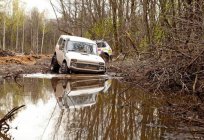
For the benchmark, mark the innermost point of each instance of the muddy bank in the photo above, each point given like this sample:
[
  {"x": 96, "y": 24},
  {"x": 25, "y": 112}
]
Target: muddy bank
[{"x": 11, "y": 66}]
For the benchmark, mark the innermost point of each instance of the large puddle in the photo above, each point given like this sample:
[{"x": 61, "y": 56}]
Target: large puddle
[{"x": 83, "y": 108}]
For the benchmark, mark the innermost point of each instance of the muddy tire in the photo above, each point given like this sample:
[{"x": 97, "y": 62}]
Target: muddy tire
[
  {"x": 63, "y": 69},
  {"x": 54, "y": 67}
]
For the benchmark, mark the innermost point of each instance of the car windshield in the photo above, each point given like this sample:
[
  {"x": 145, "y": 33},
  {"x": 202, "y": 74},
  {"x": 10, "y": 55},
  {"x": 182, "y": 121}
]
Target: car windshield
[
  {"x": 101, "y": 44},
  {"x": 82, "y": 47}
]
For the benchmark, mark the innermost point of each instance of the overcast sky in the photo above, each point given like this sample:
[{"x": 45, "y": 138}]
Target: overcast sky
[{"x": 41, "y": 5}]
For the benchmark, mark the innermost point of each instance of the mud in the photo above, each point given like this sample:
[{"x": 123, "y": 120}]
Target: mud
[{"x": 11, "y": 66}]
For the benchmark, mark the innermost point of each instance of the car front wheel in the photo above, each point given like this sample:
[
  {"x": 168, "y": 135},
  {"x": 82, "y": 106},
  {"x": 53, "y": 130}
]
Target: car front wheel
[
  {"x": 63, "y": 69},
  {"x": 54, "y": 67}
]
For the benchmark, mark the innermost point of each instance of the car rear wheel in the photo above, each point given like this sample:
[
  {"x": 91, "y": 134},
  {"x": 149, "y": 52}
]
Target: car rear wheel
[
  {"x": 54, "y": 67},
  {"x": 63, "y": 69}
]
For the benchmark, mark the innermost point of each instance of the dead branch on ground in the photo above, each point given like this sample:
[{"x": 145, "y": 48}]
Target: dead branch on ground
[{"x": 4, "y": 126}]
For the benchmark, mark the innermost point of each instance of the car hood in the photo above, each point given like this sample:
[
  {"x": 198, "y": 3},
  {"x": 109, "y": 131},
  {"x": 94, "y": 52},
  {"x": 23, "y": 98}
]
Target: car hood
[{"x": 84, "y": 57}]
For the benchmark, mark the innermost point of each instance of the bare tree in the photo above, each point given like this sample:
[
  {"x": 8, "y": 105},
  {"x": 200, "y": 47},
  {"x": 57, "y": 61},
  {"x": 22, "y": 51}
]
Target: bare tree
[{"x": 43, "y": 37}]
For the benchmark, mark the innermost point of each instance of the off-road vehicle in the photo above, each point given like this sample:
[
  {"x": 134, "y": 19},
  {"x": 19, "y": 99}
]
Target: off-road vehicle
[
  {"x": 76, "y": 54},
  {"x": 104, "y": 50}
]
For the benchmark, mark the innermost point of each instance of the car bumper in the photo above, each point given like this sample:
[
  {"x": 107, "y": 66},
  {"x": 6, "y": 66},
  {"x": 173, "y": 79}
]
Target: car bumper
[{"x": 86, "y": 70}]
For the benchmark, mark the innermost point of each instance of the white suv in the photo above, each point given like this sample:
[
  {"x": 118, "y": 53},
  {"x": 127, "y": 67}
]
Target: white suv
[{"x": 76, "y": 54}]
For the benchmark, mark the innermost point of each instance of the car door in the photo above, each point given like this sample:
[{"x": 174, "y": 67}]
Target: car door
[
  {"x": 57, "y": 49},
  {"x": 60, "y": 50}
]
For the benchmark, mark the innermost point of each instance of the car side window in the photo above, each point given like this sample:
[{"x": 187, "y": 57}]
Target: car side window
[
  {"x": 101, "y": 45},
  {"x": 63, "y": 43}
]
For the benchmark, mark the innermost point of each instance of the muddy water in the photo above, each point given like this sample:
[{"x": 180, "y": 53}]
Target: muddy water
[{"x": 95, "y": 108}]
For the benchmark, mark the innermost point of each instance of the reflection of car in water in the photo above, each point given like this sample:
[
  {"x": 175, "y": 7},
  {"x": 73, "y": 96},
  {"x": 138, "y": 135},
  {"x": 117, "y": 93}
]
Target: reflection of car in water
[{"x": 78, "y": 93}]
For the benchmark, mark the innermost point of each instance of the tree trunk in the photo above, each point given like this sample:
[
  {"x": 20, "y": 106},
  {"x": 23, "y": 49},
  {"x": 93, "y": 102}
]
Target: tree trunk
[
  {"x": 127, "y": 10},
  {"x": 43, "y": 36},
  {"x": 115, "y": 29},
  {"x": 0, "y": 44},
  {"x": 145, "y": 19},
  {"x": 82, "y": 17},
  {"x": 189, "y": 18},
  {"x": 17, "y": 37},
  {"x": 37, "y": 39},
  {"x": 4, "y": 34},
  {"x": 64, "y": 15},
  {"x": 173, "y": 13},
  {"x": 23, "y": 38},
  {"x": 31, "y": 38},
  {"x": 132, "y": 9}
]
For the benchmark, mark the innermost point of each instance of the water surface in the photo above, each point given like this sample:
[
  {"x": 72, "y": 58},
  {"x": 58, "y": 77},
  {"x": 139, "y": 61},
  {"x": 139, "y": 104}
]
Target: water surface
[{"x": 90, "y": 108}]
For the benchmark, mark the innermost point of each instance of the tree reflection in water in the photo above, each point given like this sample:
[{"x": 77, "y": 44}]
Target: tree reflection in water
[
  {"x": 87, "y": 112},
  {"x": 86, "y": 109}
]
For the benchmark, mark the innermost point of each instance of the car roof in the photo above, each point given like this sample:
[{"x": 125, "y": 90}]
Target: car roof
[
  {"x": 77, "y": 38},
  {"x": 99, "y": 41}
]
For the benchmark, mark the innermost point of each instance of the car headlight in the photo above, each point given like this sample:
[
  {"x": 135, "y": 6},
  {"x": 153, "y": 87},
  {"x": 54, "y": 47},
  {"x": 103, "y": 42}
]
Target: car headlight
[{"x": 74, "y": 60}]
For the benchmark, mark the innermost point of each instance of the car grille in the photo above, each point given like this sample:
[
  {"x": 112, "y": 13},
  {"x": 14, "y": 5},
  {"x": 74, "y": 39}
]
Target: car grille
[
  {"x": 87, "y": 66},
  {"x": 87, "y": 84}
]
